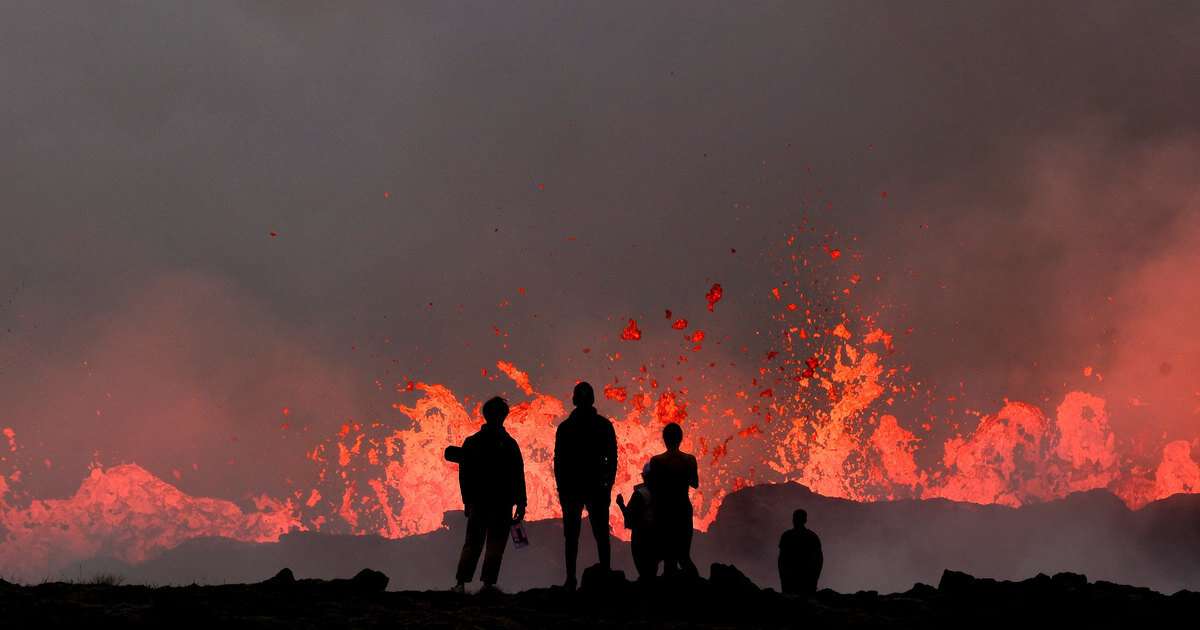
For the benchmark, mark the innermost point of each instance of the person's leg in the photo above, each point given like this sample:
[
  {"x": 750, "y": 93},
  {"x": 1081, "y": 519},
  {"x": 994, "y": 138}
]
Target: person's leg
[
  {"x": 499, "y": 520},
  {"x": 685, "y": 547},
  {"x": 654, "y": 555},
  {"x": 812, "y": 575},
  {"x": 667, "y": 539},
  {"x": 787, "y": 574},
  {"x": 643, "y": 554},
  {"x": 598, "y": 519},
  {"x": 572, "y": 516},
  {"x": 472, "y": 545}
]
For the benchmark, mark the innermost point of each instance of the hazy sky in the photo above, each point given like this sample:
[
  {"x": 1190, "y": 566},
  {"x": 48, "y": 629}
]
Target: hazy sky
[{"x": 211, "y": 212}]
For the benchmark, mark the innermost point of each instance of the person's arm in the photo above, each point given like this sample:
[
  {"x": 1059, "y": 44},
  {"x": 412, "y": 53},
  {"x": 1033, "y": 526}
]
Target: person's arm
[
  {"x": 466, "y": 472},
  {"x": 694, "y": 480},
  {"x": 522, "y": 496},
  {"x": 558, "y": 454}
]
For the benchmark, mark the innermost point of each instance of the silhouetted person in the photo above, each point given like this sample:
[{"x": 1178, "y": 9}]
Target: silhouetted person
[
  {"x": 585, "y": 467},
  {"x": 800, "y": 558},
  {"x": 639, "y": 519},
  {"x": 491, "y": 476},
  {"x": 671, "y": 474}
]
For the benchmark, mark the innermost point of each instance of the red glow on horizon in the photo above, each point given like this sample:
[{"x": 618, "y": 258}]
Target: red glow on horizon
[{"x": 820, "y": 410}]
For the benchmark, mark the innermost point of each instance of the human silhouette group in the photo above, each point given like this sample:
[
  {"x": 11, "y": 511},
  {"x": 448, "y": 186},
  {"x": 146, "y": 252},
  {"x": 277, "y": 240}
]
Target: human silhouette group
[{"x": 659, "y": 512}]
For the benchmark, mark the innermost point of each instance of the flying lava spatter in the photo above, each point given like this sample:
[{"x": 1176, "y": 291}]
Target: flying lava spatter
[{"x": 821, "y": 409}]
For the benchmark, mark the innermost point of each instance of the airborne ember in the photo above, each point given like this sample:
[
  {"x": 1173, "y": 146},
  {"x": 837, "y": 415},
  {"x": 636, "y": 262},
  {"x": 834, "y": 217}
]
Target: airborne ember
[
  {"x": 261, "y": 262},
  {"x": 822, "y": 410}
]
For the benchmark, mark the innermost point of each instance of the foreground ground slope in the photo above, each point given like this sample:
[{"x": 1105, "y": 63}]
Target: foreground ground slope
[
  {"x": 886, "y": 546},
  {"x": 726, "y": 600}
]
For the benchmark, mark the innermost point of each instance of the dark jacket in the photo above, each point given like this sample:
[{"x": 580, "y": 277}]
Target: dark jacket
[
  {"x": 800, "y": 560},
  {"x": 491, "y": 470},
  {"x": 639, "y": 513},
  {"x": 671, "y": 474},
  {"x": 800, "y": 549},
  {"x": 585, "y": 453}
]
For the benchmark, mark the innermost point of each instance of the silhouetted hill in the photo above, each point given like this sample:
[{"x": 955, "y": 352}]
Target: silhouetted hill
[
  {"x": 888, "y": 546},
  {"x": 413, "y": 563},
  {"x": 885, "y": 546}
]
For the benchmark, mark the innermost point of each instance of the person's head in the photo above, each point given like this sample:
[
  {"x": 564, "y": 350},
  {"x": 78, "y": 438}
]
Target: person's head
[
  {"x": 495, "y": 410},
  {"x": 672, "y": 435},
  {"x": 583, "y": 396},
  {"x": 799, "y": 518},
  {"x": 646, "y": 472}
]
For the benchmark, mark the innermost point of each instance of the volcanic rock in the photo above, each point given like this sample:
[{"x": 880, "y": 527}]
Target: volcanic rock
[
  {"x": 727, "y": 577},
  {"x": 370, "y": 581},
  {"x": 1069, "y": 581},
  {"x": 597, "y": 577},
  {"x": 283, "y": 578},
  {"x": 956, "y": 582},
  {"x": 885, "y": 546},
  {"x": 889, "y": 545},
  {"x": 961, "y": 601}
]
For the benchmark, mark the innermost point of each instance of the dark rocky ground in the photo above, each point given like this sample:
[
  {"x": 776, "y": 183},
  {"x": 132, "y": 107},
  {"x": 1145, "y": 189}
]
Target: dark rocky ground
[
  {"x": 726, "y": 600},
  {"x": 886, "y": 546}
]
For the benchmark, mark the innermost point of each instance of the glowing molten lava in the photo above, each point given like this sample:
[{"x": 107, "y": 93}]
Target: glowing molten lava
[
  {"x": 820, "y": 407},
  {"x": 125, "y": 512},
  {"x": 827, "y": 432}
]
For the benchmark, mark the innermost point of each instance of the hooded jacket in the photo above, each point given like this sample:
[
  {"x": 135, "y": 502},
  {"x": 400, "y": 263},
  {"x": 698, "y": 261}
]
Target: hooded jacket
[
  {"x": 585, "y": 453},
  {"x": 492, "y": 471}
]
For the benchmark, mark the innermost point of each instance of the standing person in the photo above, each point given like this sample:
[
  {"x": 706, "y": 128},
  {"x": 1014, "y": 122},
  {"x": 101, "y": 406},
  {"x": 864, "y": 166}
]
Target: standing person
[
  {"x": 639, "y": 520},
  {"x": 491, "y": 476},
  {"x": 800, "y": 558},
  {"x": 671, "y": 474},
  {"x": 585, "y": 468}
]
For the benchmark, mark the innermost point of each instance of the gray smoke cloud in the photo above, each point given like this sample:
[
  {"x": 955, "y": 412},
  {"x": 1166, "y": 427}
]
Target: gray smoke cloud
[{"x": 228, "y": 210}]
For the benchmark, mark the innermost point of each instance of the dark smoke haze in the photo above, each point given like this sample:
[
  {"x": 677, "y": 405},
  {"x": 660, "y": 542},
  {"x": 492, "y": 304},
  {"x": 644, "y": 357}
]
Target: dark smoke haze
[{"x": 213, "y": 213}]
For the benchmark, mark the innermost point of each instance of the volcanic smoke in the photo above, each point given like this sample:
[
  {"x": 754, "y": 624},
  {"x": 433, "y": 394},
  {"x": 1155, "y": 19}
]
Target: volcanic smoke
[{"x": 829, "y": 406}]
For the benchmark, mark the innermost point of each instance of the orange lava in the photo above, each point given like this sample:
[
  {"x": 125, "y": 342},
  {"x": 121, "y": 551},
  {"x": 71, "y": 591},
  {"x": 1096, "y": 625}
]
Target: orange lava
[
  {"x": 820, "y": 410},
  {"x": 125, "y": 512}
]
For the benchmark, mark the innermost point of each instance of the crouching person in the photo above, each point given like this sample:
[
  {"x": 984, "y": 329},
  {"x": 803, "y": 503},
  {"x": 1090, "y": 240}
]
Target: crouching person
[
  {"x": 491, "y": 477},
  {"x": 639, "y": 520}
]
